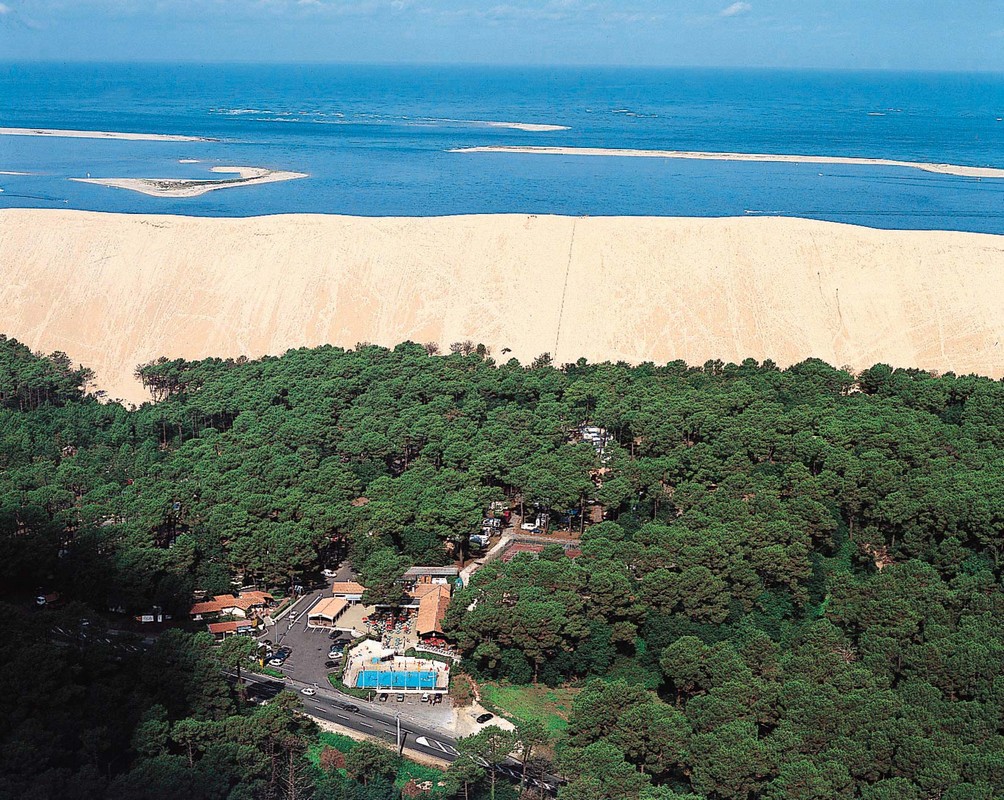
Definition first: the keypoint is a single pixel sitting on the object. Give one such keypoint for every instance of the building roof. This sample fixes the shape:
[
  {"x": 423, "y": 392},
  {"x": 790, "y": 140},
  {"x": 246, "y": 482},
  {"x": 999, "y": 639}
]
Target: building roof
[
  {"x": 228, "y": 627},
  {"x": 433, "y": 572},
  {"x": 246, "y": 600},
  {"x": 422, "y": 589},
  {"x": 243, "y": 601},
  {"x": 208, "y": 607},
  {"x": 431, "y": 610},
  {"x": 329, "y": 607},
  {"x": 347, "y": 587}
]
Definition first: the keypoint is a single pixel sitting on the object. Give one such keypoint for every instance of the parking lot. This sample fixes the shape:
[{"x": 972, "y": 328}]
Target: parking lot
[
  {"x": 305, "y": 665},
  {"x": 310, "y": 651}
]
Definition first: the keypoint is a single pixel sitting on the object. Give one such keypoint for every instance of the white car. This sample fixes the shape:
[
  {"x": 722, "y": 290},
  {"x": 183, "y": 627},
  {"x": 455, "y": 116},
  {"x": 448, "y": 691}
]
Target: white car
[
  {"x": 329, "y": 573},
  {"x": 334, "y": 655},
  {"x": 277, "y": 662},
  {"x": 308, "y": 690}
]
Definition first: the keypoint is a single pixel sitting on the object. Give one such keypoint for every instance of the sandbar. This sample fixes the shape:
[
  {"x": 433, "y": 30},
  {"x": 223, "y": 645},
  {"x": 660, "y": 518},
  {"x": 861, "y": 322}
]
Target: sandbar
[
  {"x": 186, "y": 187},
  {"x": 144, "y": 137},
  {"x": 116, "y": 290},
  {"x": 531, "y": 127},
  {"x": 943, "y": 169}
]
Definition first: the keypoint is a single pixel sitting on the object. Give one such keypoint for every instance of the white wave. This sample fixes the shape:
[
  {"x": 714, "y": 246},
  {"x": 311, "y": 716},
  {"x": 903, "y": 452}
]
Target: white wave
[{"x": 236, "y": 112}]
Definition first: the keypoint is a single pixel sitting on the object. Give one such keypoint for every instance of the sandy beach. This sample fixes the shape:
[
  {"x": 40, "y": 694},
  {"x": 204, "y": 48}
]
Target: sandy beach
[
  {"x": 116, "y": 290},
  {"x": 186, "y": 187},
  {"x": 942, "y": 169},
  {"x": 137, "y": 137}
]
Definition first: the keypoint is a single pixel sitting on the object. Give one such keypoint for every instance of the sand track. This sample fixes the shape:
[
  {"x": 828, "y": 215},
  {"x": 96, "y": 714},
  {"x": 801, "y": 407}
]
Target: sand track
[{"x": 116, "y": 290}]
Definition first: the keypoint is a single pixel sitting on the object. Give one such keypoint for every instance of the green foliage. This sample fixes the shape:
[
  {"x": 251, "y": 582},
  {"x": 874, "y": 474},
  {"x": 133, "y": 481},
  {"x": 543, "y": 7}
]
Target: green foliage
[
  {"x": 368, "y": 762},
  {"x": 796, "y": 593}
]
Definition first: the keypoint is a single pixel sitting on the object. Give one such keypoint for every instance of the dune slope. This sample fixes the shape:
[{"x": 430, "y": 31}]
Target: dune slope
[{"x": 113, "y": 291}]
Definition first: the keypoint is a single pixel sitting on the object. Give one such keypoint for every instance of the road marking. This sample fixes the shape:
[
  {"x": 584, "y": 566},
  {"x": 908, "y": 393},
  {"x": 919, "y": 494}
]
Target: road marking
[{"x": 432, "y": 744}]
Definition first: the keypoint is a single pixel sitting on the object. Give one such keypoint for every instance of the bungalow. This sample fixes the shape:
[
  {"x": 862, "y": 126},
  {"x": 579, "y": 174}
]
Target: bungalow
[
  {"x": 221, "y": 630},
  {"x": 246, "y": 604},
  {"x": 349, "y": 591},
  {"x": 326, "y": 612}
]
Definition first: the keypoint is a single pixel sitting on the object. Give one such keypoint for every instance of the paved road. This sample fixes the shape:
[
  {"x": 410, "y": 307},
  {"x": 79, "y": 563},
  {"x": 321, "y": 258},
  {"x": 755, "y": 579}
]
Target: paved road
[{"x": 379, "y": 721}]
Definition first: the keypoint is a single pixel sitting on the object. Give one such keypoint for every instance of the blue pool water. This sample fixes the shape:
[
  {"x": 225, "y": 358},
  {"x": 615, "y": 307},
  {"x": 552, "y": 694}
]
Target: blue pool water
[
  {"x": 413, "y": 679},
  {"x": 376, "y": 140}
]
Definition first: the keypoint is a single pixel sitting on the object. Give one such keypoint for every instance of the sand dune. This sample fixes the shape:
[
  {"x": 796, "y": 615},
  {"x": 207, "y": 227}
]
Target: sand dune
[
  {"x": 117, "y": 290},
  {"x": 941, "y": 169}
]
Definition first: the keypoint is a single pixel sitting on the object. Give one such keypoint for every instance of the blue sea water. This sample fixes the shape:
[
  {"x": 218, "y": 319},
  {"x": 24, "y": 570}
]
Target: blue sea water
[{"x": 376, "y": 140}]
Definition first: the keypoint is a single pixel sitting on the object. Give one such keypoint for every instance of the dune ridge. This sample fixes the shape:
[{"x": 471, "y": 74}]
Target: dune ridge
[{"x": 115, "y": 290}]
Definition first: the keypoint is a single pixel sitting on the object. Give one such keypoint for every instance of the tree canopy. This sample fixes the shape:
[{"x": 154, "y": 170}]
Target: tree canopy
[{"x": 795, "y": 591}]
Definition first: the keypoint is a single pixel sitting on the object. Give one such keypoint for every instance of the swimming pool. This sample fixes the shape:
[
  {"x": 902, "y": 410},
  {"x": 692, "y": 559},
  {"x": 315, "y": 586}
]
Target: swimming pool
[{"x": 403, "y": 679}]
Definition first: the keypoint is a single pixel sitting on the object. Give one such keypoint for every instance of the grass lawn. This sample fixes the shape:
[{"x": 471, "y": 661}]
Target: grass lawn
[{"x": 550, "y": 707}]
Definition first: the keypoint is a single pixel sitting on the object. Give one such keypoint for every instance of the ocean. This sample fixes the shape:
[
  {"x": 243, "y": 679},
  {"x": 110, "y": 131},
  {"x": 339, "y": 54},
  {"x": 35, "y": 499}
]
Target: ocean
[{"x": 376, "y": 141}]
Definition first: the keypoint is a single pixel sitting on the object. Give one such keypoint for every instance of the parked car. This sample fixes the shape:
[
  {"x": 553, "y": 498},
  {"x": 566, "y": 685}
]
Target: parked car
[
  {"x": 350, "y": 707},
  {"x": 335, "y": 655},
  {"x": 383, "y": 697},
  {"x": 329, "y": 664},
  {"x": 481, "y": 720},
  {"x": 276, "y": 662},
  {"x": 310, "y": 691},
  {"x": 400, "y": 698},
  {"x": 329, "y": 573},
  {"x": 284, "y": 652},
  {"x": 437, "y": 699},
  {"x": 425, "y": 697}
]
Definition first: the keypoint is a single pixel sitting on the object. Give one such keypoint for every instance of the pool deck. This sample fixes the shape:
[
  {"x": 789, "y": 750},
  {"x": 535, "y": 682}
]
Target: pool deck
[{"x": 361, "y": 660}]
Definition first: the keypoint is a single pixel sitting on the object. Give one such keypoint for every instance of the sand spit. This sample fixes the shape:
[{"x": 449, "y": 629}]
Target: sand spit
[
  {"x": 186, "y": 187},
  {"x": 115, "y": 290},
  {"x": 135, "y": 137},
  {"x": 942, "y": 169}
]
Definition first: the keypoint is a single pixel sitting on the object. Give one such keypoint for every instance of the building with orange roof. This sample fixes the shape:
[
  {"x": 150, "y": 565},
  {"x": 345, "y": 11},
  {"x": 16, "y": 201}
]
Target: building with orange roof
[
  {"x": 221, "y": 630},
  {"x": 431, "y": 611},
  {"x": 350, "y": 591},
  {"x": 244, "y": 604},
  {"x": 326, "y": 612}
]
